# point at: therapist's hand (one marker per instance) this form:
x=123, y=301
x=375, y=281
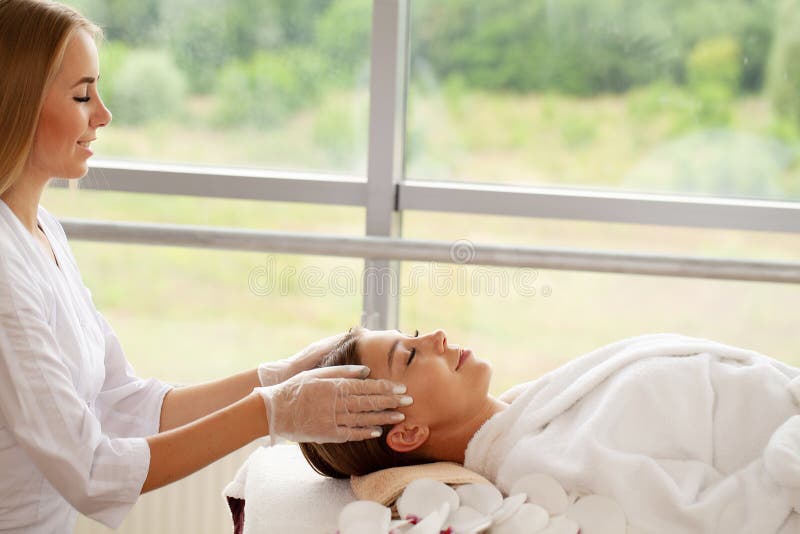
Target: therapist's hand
x=272, y=373
x=332, y=405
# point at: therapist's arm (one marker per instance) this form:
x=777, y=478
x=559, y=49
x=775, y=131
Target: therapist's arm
x=179, y=452
x=185, y=404
x=323, y=405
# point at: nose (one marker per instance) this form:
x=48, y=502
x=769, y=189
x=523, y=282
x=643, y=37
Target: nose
x=101, y=116
x=438, y=340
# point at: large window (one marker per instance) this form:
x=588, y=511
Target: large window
x=664, y=95
x=689, y=98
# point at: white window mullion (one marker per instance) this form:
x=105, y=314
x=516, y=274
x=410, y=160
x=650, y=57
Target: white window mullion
x=388, y=87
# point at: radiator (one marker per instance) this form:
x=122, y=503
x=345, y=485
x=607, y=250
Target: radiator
x=194, y=504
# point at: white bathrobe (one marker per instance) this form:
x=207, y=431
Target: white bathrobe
x=72, y=412
x=687, y=435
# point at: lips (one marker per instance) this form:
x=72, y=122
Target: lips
x=463, y=354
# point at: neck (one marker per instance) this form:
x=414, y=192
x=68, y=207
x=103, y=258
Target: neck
x=450, y=445
x=23, y=199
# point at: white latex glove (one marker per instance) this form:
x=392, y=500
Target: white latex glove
x=272, y=373
x=332, y=405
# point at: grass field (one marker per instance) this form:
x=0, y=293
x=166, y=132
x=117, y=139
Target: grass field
x=188, y=315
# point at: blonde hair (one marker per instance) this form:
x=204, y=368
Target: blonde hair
x=33, y=37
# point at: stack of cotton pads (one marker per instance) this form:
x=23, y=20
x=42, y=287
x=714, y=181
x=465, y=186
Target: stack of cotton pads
x=536, y=504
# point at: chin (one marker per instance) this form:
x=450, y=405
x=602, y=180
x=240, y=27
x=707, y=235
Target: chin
x=484, y=365
x=74, y=174
x=483, y=372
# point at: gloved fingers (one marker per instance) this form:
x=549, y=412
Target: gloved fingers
x=345, y=433
x=375, y=403
x=376, y=419
x=371, y=386
x=352, y=372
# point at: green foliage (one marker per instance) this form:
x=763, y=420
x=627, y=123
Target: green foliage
x=715, y=62
x=579, y=47
x=147, y=86
x=340, y=129
x=268, y=87
x=714, y=71
x=198, y=39
x=297, y=18
x=573, y=47
x=134, y=22
x=209, y=37
x=113, y=55
x=784, y=69
x=343, y=36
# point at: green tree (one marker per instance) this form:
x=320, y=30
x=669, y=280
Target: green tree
x=342, y=34
x=714, y=72
x=582, y=47
x=265, y=89
x=147, y=86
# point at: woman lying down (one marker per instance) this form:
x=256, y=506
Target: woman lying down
x=687, y=435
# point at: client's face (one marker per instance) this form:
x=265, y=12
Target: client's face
x=449, y=384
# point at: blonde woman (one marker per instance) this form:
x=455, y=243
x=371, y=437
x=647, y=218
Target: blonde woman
x=79, y=432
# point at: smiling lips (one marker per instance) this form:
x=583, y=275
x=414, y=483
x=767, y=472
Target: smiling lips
x=463, y=354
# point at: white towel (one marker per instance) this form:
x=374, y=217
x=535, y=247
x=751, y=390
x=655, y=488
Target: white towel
x=282, y=493
x=676, y=430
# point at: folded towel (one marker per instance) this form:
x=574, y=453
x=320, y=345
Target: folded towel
x=276, y=491
x=386, y=485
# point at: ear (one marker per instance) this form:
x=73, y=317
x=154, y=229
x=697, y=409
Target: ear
x=406, y=437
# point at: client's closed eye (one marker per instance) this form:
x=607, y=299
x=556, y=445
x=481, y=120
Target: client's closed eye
x=413, y=351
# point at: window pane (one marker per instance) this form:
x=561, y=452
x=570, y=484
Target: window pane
x=692, y=97
x=187, y=315
x=172, y=209
x=238, y=83
x=539, y=320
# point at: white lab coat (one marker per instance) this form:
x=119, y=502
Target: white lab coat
x=72, y=412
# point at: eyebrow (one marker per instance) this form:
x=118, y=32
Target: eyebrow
x=86, y=79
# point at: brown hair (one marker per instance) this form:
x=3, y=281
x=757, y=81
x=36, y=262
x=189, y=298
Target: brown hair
x=33, y=37
x=341, y=460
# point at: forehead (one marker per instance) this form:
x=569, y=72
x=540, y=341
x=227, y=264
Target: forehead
x=80, y=58
x=371, y=340
x=374, y=345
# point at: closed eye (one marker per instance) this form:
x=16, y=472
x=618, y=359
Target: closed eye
x=82, y=99
x=413, y=351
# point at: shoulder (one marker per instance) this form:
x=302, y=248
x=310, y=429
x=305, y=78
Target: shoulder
x=20, y=278
x=20, y=284
x=12, y=246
